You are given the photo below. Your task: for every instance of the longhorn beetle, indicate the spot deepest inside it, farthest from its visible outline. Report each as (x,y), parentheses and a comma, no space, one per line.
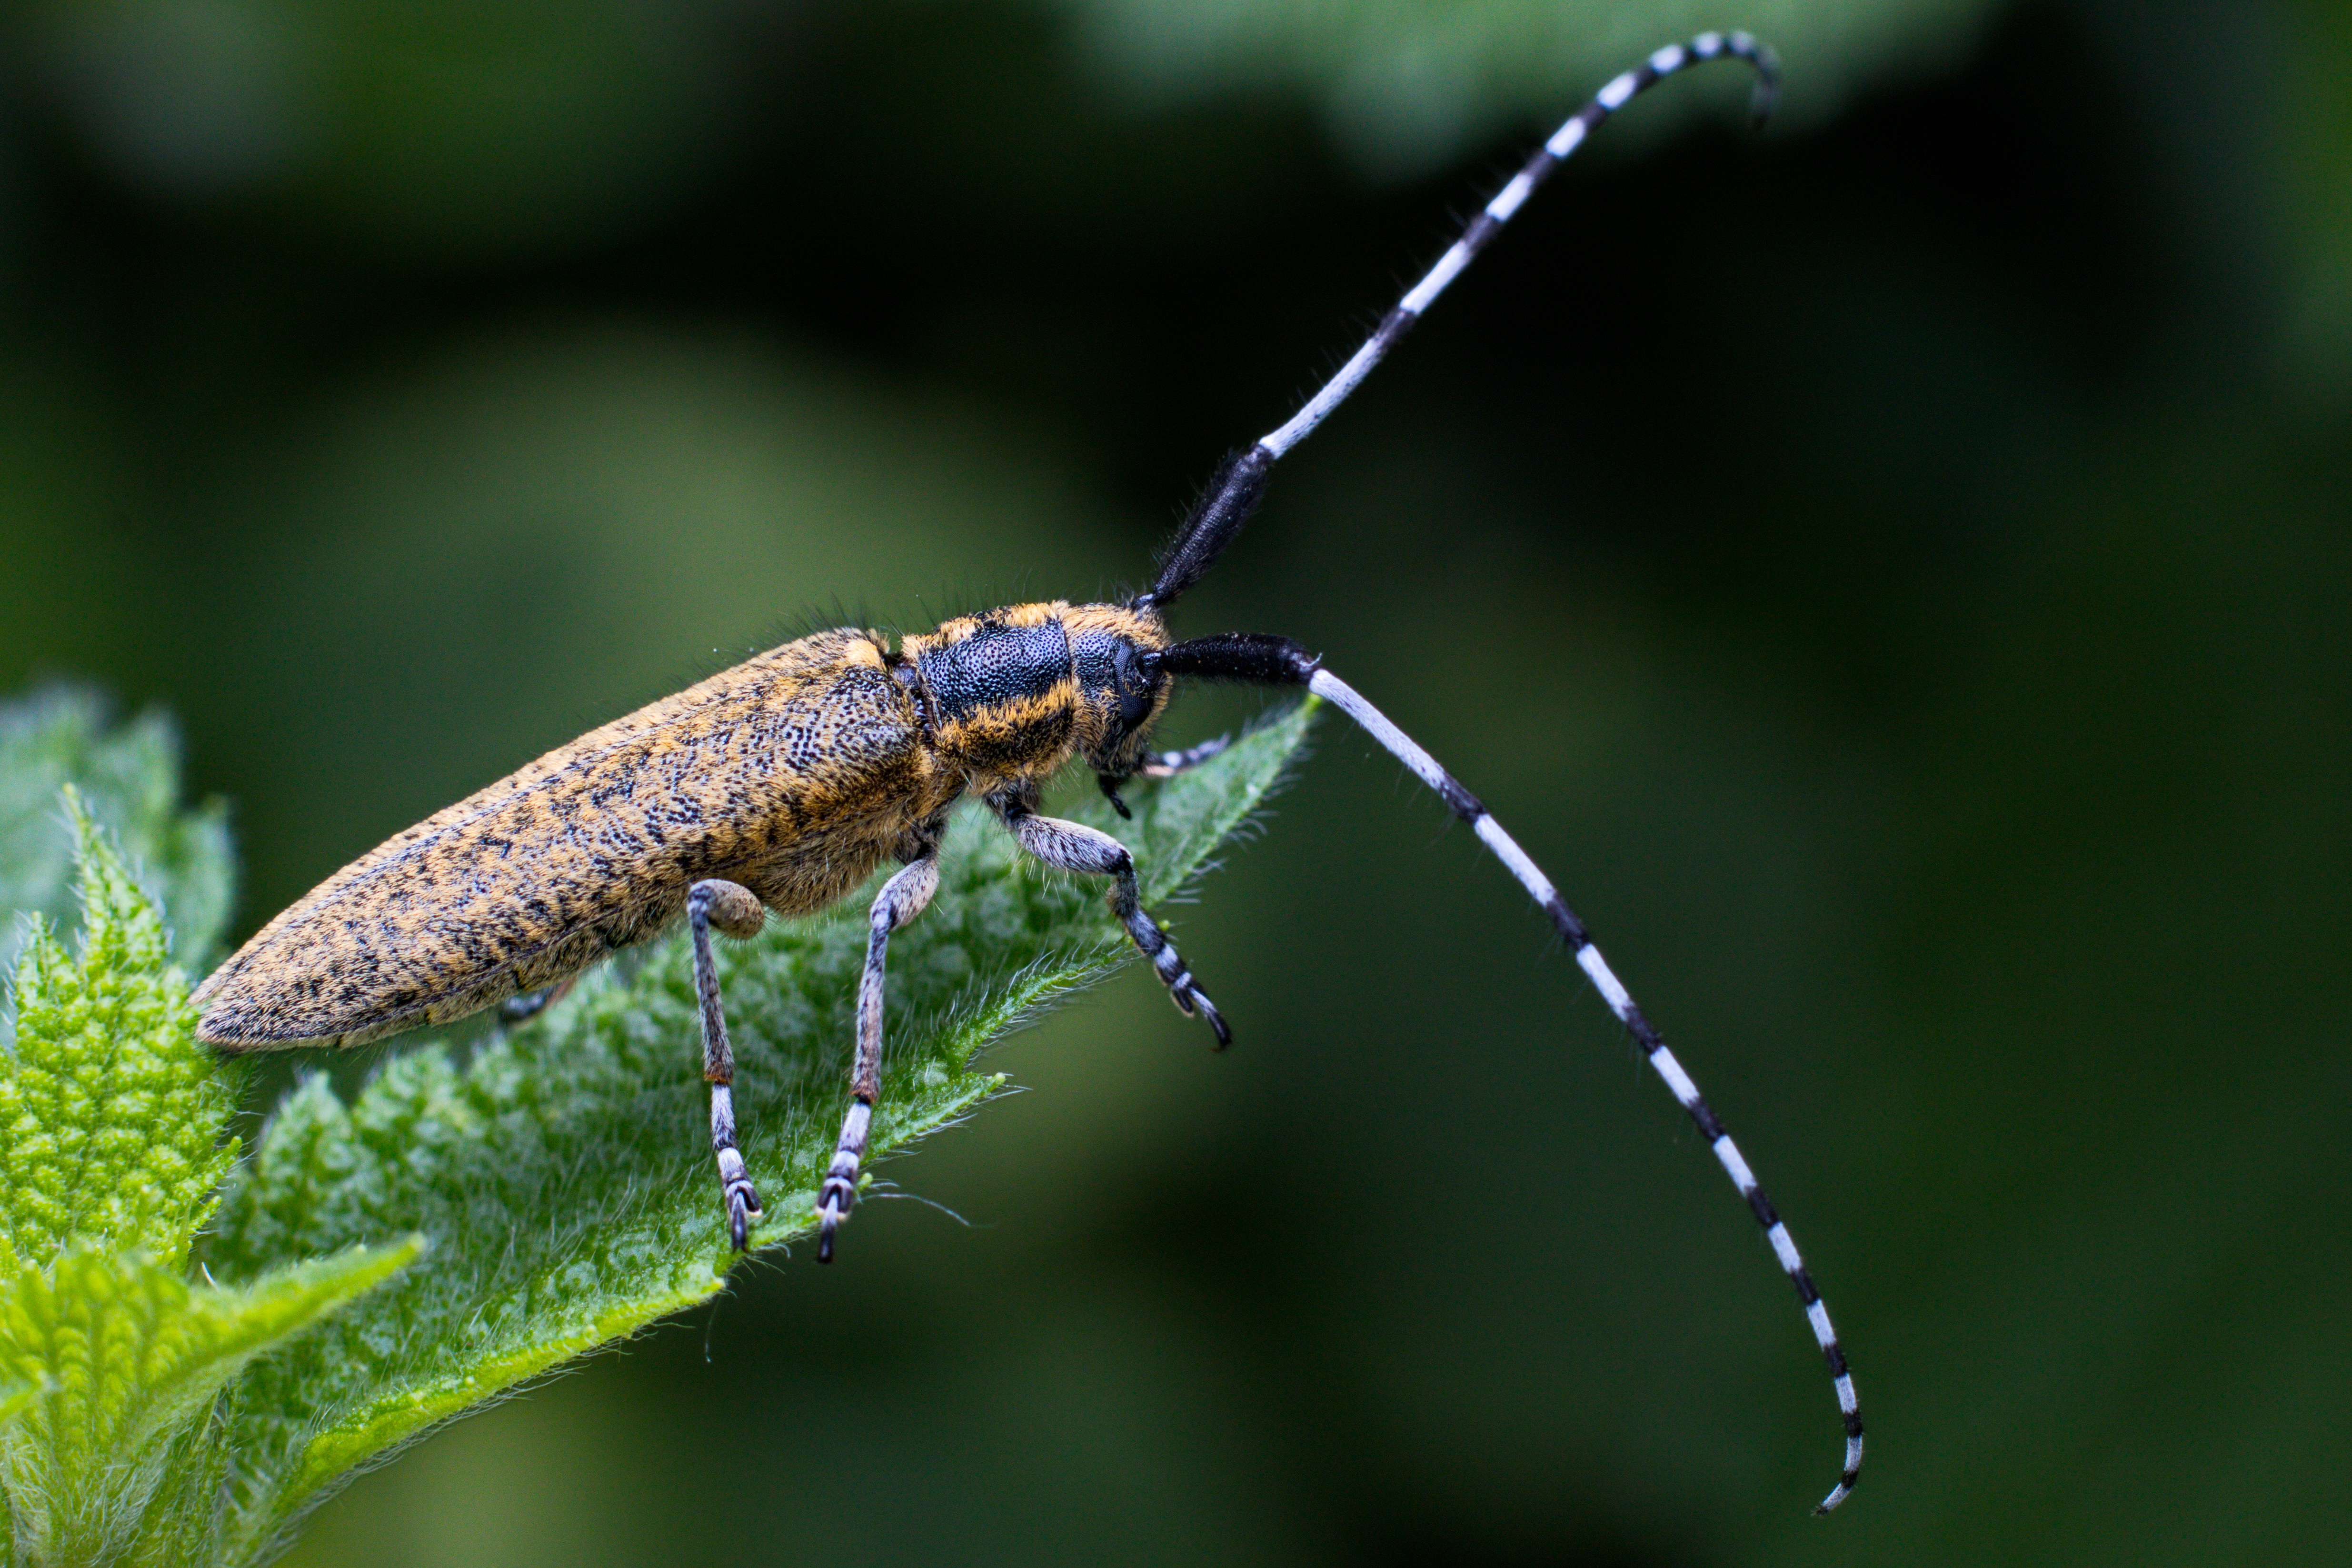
(782,783)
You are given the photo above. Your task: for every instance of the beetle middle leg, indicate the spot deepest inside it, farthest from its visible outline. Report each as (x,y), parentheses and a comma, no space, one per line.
(735,910)
(1074,847)
(902,898)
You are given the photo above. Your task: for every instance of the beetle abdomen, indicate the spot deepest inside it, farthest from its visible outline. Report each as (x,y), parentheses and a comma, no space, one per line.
(794,772)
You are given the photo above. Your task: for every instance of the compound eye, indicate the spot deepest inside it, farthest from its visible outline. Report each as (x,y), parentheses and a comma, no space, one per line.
(1134,688)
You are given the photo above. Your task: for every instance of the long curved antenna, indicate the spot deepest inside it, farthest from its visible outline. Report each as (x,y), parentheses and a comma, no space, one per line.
(1278,661)
(1239,482)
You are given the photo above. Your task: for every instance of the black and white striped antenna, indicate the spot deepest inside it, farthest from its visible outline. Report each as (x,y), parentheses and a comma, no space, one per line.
(1240,483)
(1235,493)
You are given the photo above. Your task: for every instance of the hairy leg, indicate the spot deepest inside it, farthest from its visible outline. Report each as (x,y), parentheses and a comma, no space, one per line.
(902,898)
(736,910)
(1074,847)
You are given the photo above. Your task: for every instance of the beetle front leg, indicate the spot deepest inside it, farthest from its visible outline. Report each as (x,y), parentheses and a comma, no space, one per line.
(735,910)
(1167,764)
(902,898)
(1074,847)
(1161,766)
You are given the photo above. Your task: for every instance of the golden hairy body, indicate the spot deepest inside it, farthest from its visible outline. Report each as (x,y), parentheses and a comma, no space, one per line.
(792,774)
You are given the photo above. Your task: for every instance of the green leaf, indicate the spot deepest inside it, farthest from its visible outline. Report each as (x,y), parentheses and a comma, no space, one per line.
(127,1354)
(130,779)
(15,1399)
(110,1113)
(111,1153)
(563,1175)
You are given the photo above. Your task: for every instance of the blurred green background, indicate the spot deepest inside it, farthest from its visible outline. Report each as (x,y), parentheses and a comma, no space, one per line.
(1891,570)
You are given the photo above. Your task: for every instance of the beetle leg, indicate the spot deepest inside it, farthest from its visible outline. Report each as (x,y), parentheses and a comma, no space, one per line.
(902,898)
(1074,847)
(1160,766)
(531,1003)
(1167,764)
(735,910)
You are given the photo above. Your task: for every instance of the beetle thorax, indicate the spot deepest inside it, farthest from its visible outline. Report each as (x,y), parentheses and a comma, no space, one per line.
(1012,694)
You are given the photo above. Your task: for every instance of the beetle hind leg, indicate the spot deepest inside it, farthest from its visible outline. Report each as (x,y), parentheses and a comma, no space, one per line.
(531,1003)
(902,898)
(735,910)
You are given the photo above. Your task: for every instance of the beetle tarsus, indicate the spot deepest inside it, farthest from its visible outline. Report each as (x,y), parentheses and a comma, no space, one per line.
(829,1214)
(743,1201)
(1208,1010)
